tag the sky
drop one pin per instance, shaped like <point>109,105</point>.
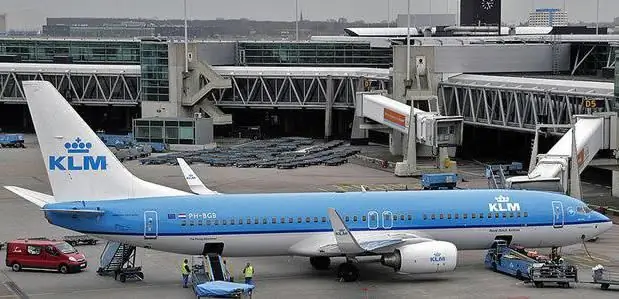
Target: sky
<point>31,14</point>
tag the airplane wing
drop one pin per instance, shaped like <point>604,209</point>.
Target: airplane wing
<point>76,212</point>
<point>343,243</point>
<point>194,182</point>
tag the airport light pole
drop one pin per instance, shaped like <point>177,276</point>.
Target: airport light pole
<point>408,44</point>
<point>186,39</point>
<point>296,17</point>
<point>597,18</point>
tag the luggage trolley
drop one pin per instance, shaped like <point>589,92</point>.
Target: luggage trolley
<point>604,278</point>
<point>561,274</point>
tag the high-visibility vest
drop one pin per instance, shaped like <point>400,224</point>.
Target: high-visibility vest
<point>183,269</point>
<point>249,271</point>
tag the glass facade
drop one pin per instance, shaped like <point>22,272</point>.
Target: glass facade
<point>166,131</point>
<point>154,64</point>
<point>70,51</point>
<point>313,54</point>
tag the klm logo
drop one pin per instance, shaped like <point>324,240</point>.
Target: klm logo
<point>77,158</point>
<point>437,257</point>
<point>503,204</point>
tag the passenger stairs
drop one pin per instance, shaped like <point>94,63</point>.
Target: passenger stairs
<point>496,176</point>
<point>119,259</point>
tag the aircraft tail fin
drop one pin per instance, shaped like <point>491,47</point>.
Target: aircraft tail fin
<point>79,165</point>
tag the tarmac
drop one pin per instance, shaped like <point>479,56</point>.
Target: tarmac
<point>275,277</point>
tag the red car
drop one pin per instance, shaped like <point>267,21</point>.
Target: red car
<point>44,254</point>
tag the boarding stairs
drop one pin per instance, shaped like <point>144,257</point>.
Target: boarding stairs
<point>119,259</point>
<point>495,174</point>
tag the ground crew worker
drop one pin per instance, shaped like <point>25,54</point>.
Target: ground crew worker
<point>185,270</point>
<point>249,273</point>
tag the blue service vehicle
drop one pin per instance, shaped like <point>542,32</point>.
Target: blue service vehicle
<point>504,259</point>
<point>439,180</point>
<point>12,140</point>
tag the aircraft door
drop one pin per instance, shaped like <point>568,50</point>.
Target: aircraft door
<point>151,225</point>
<point>372,220</point>
<point>387,219</point>
<point>557,214</point>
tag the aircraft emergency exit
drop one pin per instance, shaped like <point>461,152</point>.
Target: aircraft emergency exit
<point>412,231</point>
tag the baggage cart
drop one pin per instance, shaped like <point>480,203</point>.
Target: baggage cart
<point>604,277</point>
<point>561,274</point>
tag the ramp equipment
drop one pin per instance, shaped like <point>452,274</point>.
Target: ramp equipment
<point>119,260</point>
<point>511,261</point>
<point>604,278</point>
<point>208,268</point>
<point>561,274</point>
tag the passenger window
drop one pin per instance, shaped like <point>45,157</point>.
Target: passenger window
<point>324,219</point>
<point>290,220</point>
<point>473,215</point>
<point>504,215</point>
<point>395,217</point>
<point>307,219</point>
<point>200,222</point>
<point>511,214</point>
<point>518,214</point>
<point>481,215</point>
<point>232,221</point>
<point>50,251</point>
<point>191,223</point>
<point>248,221</point>
<point>364,218</point>
<point>441,216</point>
<point>208,222</point>
<point>448,215</point>
<point>282,220</point>
<point>425,217</point>
<point>224,222</point>
<point>410,217</point>
<point>34,250</point>
<point>433,216</point>
<point>489,215</point>
<point>457,216</point>
<point>465,215</point>
<point>526,214</point>
<point>184,223</point>
<point>496,215</point>
<point>264,221</point>
<point>347,219</point>
<point>256,221</point>
<point>299,219</point>
<point>354,218</point>
<point>402,217</point>
<point>273,220</point>
<point>315,219</point>
<point>214,221</point>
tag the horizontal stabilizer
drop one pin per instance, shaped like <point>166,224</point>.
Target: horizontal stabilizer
<point>37,198</point>
<point>194,182</point>
<point>77,212</point>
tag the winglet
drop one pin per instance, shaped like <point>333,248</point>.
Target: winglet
<point>345,241</point>
<point>194,182</point>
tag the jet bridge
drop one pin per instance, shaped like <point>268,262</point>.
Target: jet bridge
<point>429,128</point>
<point>559,169</point>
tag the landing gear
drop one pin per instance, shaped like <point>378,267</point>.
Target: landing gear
<point>348,272</point>
<point>320,262</point>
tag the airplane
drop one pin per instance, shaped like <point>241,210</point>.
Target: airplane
<point>413,232</point>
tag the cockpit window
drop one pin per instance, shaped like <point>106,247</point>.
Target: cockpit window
<point>587,210</point>
<point>583,210</point>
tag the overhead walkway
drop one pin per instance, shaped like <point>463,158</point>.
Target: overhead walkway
<point>559,169</point>
<point>206,80</point>
<point>91,84</point>
<point>519,104</point>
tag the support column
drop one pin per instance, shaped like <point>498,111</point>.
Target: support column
<point>396,143</point>
<point>615,184</point>
<point>329,109</point>
<point>408,167</point>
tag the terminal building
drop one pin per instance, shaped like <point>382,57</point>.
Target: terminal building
<point>548,17</point>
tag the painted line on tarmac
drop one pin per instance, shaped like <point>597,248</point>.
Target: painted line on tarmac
<point>107,289</point>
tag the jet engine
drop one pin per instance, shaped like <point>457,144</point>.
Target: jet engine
<point>426,257</point>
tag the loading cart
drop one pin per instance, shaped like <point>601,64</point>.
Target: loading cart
<point>604,277</point>
<point>561,274</point>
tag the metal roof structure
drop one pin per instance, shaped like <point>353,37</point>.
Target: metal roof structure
<point>505,82</point>
<point>373,73</point>
<point>51,68</point>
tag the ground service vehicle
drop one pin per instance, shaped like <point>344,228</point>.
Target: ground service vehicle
<point>44,254</point>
